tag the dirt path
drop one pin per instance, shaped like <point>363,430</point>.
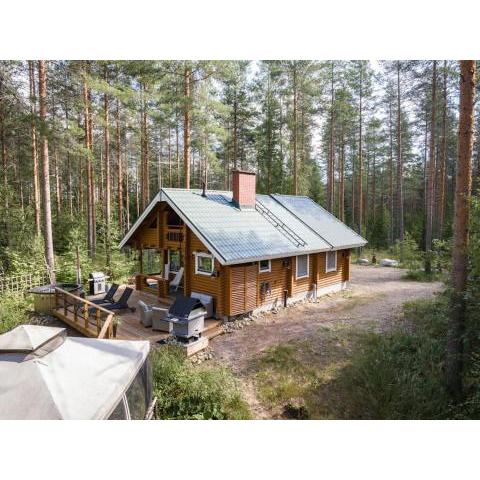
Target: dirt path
<point>375,297</point>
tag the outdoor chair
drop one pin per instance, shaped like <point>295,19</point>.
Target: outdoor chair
<point>108,297</point>
<point>145,313</point>
<point>159,320</point>
<point>154,317</point>
<point>175,283</point>
<point>121,304</point>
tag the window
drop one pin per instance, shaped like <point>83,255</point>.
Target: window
<point>174,260</point>
<point>264,266</point>
<point>203,264</point>
<point>136,397</point>
<point>331,262</point>
<point>120,411</point>
<point>302,266</point>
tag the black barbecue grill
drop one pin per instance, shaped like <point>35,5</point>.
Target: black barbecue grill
<point>188,317</point>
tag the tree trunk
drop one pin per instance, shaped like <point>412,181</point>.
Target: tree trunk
<point>58,190</point>
<point>47,210</point>
<point>33,131</point>
<point>3,148</point>
<point>443,159</point>
<point>431,177</point>
<point>360,156</point>
<point>390,174</point>
<point>106,135</point>
<point>144,170</point>
<point>341,190</point>
<point>118,153</point>
<point>294,160</point>
<point>463,184</point>
<point>186,126</point>
<point>331,147</point>
<point>235,127</point>
<point>89,166</point>
<point>399,167</point>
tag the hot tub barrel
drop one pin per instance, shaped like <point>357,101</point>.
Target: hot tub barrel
<point>44,296</point>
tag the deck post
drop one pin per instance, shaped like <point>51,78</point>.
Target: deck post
<point>97,320</point>
<point>110,326</point>
<point>85,315</point>
<point>140,258</point>
<point>64,304</point>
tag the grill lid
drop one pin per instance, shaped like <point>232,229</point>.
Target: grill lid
<point>184,305</point>
<point>97,276</point>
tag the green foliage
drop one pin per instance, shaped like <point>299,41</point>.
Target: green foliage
<point>408,253</point>
<point>26,258</point>
<point>184,391</point>
<point>378,230</point>
<point>399,375</point>
<point>14,309</point>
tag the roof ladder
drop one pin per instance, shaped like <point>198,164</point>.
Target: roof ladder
<point>277,223</point>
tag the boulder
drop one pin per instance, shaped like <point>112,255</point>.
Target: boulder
<point>363,261</point>
<point>388,262</point>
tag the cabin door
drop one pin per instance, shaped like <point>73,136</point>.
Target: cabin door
<point>243,281</point>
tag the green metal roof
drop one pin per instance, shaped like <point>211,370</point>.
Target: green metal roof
<point>278,227</point>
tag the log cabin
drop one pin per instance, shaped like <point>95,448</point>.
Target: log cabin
<point>249,252</point>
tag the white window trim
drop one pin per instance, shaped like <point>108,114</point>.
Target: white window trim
<point>327,270</point>
<point>269,269</point>
<point>296,267</point>
<point>170,263</point>
<point>205,255</point>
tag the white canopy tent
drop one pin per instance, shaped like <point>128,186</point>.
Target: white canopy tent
<point>47,375</point>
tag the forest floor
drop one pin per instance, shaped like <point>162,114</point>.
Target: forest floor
<point>279,356</point>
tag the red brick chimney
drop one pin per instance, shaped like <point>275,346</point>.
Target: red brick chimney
<point>243,185</point>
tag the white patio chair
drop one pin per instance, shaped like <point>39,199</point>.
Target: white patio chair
<point>174,284</point>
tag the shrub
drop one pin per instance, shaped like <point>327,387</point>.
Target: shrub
<point>187,392</point>
<point>13,311</point>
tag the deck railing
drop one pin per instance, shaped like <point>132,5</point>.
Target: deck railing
<point>85,316</point>
<point>22,283</point>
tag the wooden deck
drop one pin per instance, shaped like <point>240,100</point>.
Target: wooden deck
<point>130,327</point>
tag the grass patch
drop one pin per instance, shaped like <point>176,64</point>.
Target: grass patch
<point>281,377</point>
<point>14,308</point>
<point>421,276</point>
<point>295,373</point>
<point>185,391</point>
<point>348,373</point>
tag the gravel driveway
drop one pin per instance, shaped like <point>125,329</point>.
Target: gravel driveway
<point>375,297</point>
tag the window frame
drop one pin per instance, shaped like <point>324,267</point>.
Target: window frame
<point>298,277</point>
<point>204,255</point>
<point>328,270</point>
<point>170,263</point>
<point>268,269</point>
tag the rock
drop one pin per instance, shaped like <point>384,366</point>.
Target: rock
<point>388,262</point>
<point>363,261</point>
